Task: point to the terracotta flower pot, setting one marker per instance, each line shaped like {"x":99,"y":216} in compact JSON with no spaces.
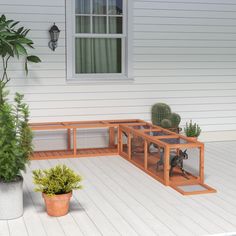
{"x":193,"y":138}
{"x":57,"y":205}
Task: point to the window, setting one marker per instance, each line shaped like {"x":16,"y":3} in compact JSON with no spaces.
{"x":97,"y":38}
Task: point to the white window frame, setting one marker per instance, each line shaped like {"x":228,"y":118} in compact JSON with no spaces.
{"x":127,"y":48}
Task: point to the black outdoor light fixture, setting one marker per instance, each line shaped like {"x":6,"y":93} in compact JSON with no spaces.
{"x":54,"y":35}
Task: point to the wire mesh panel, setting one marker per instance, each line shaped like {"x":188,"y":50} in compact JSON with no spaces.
{"x":137,"y":149}
{"x":124,"y":143}
{"x":184,"y":166}
{"x":174,"y":140}
{"x":157,"y":133}
{"x":92,"y":138}
{"x":192,"y":188}
{"x":192,"y":164}
{"x":155,"y":160}
{"x":53,"y":140}
{"x":142,"y":127}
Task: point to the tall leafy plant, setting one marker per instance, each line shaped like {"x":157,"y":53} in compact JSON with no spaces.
{"x":15,"y":133}
{"x":13,"y":43}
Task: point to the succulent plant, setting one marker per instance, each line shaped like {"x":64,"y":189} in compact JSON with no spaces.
{"x":166,"y":123}
{"x":160,"y":111}
{"x":162,"y":116}
{"x":175,"y":120}
{"x":192,"y":129}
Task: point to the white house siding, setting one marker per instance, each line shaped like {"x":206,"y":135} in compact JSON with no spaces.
{"x":184,"y":55}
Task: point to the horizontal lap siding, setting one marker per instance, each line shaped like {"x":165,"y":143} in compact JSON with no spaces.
{"x":186,"y":50}
{"x":184,"y":55}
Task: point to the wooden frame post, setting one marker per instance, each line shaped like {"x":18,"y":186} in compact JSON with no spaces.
{"x":201,"y":164}
{"x":129,"y":146}
{"x":167,"y":166}
{"x":68,"y":139}
{"x":119,"y":141}
{"x":74,"y":142}
{"x":145,"y":154}
{"x":111,"y":137}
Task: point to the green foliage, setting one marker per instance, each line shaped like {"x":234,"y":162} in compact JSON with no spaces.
{"x":160,"y":111}
{"x":57,"y":180}
{"x":14,"y":43}
{"x":15,"y":138}
{"x":175,"y":120}
{"x":162,"y":116}
{"x":192,"y":130}
{"x":15,"y":133}
{"x":166,"y":123}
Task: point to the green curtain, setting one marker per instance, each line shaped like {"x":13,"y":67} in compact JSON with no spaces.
{"x":98,"y":55}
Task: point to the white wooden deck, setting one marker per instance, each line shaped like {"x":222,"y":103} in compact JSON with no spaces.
{"x":119,"y":199}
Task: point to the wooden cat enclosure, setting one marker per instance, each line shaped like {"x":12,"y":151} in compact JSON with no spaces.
{"x":150,"y":148}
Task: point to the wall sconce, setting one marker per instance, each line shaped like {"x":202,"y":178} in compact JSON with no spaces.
{"x":54,"y":35}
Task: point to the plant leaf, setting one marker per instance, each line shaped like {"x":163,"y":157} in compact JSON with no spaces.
{"x":3,"y":18}
{"x":20,"y":30}
{"x":2,"y":26}
{"x":6,"y":34}
{"x":25,"y":32}
{"x":20,"y":49}
{"x":8,"y":48}
{"x":24,"y":40}
{"x":34,"y":59}
{"x":15,"y":23}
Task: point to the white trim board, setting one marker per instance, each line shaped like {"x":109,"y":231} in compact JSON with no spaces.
{"x":218,"y":136}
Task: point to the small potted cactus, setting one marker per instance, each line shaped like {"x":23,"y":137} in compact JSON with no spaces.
{"x":192,"y":130}
{"x":162,"y":116}
{"x":56,"y":185}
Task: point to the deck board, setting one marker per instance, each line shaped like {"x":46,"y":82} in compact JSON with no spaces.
{"x":120,"y":199}
{"x":4,"y":229}
{"x":114,"y":206}
{"x":17,"y":226}
{"x":50,"y":224}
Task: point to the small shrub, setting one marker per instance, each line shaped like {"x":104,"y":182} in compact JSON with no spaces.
{"x":57,"y":180}
{"x":192,"y":130}
{"x":15,"y":139}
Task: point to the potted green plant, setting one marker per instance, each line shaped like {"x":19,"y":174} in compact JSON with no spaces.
{"x":15,"y":134}
{"x":56,"y":185}
{"x":192,"y":130}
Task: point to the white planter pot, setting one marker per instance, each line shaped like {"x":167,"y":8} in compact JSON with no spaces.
{"x":11,"y":200}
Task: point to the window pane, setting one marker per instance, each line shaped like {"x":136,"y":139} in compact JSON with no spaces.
{"x":82,"y":7}
{"x":115,"y":25}
{"x":97,"y":55}
{"x":100,"y":7}
{"x":82,"y":24}
{"x":115,"y":7}
{"x":99,"y":24}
